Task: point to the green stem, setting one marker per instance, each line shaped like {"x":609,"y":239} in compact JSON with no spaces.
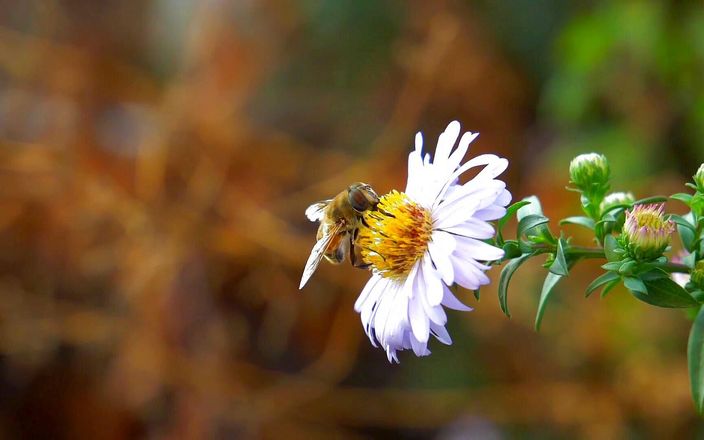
{"x":588,"y":252}
{"x":585,"y":252}
{"x":576,"y":251}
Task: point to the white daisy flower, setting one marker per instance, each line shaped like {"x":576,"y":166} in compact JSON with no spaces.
{"x":421,"y":241}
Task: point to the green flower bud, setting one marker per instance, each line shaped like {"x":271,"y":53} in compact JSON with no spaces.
{"x":646,"y":233}
{"x":698,"y":274}
{"x":616,"y":199}
{"x":699,"y":178}
{"x":590,"y":173}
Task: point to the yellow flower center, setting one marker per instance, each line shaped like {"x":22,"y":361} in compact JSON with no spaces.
{"x":395,"y":235}
{"x":650,"y":220}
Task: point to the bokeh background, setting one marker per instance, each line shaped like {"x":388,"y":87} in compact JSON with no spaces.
{"x":156,"y":157}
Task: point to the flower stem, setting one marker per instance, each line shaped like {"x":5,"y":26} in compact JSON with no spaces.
{"x":585,"y":252}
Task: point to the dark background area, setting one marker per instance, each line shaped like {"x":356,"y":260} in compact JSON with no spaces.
{"x":156,"y":158}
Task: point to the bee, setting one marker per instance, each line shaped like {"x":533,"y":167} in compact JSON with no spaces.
{"x":340,"y":218}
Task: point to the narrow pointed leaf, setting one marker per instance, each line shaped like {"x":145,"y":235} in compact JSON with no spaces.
{"x":605,"y":291}
{"x":682,"y":197}
{"x":578,"y":220}
{"x":663,"y":292}
{"x":681,"y":221}
{"x":510,"y":211}
{"x":610,"y":247}
{"x":695,"y":360}
{"x":635,"y":285}
{"x":505,"y":278}
{"x":687,"y":237}
{"x":600,"y":281}
{"x":559,"y":266}
{"x":549,"y":284}
{"x":530,"y":222}
{"x":533,"y":207}
{"x":654,"y":199}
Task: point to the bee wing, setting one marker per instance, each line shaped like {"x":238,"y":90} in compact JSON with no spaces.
{"x":317,"y":254}
{"x":315,"y":211}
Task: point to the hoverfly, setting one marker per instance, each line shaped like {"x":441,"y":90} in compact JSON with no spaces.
{"x":339,"y":218}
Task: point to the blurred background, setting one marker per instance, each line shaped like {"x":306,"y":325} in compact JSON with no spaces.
{"x":156,"y":157}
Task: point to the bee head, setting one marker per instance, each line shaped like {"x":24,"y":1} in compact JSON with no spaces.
{"x":362,"y":197}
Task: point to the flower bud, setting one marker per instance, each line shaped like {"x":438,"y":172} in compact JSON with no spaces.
{"x":646,"y":233}
{"x":616,"y":199}
{"x":698,"y":274}
{"x":699,"y":178}
{"x":590,"y":173}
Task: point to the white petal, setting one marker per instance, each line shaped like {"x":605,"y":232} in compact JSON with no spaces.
{"x":419,"y":320}
{"x":490,"y":213}
{"x":441,"y":247}
{"x":468,"y":198}
{"x":433,"y":284}
{"x":440,"y":332}
{"x":504,"y":198}
{"x":411,"y":280}
{"x":382,"y":316}
{"x":450,"y":301}
{"x":445,"y":142}
{"x":494,"y":166}
{"x":461,"y":150}
{"x":419,"y":348}
{"x":472,"y":228}
{"x":419,"y":142}
{"x":471,"y":248}
{"x":467,"y":274}
{"x":368,"y":288}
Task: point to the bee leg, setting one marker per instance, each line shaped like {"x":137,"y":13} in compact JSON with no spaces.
{"x":356,"y":254}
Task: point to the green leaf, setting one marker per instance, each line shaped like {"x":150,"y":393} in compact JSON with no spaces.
{"x":647,"y":200}
{"x":635,"y":285}
{"x":695,"y":361}
{"x":476,"y":293}
{"x":511,"y":250}
{"x":628,"y":267}
{"x":687,"y":237}
{"x":698,"y":295}
{"x":550,"y":281}
{"x":533,"y":207}
{"x":610,"y":248}
{"x":612,"y":266}
{"x":510,"y":211}
{"x":505,"y":278}
{"x":527,"y":223}
{"x":681,"y":221}
{"x":682,"y":197}
{"x":600,"y":281}
{"x":578,"y":220}
{"x":559,"y":266}
{"x":663,"y":292}
{"x":605,"y":291}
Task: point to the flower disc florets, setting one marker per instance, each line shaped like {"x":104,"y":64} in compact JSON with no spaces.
{"x":395,"y":235}
{"x":590,"y":173}
{"x":646,"y":233}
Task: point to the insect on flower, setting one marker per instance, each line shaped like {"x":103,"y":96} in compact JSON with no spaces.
{"x":420,"y":242}
{"x":340,"y":218}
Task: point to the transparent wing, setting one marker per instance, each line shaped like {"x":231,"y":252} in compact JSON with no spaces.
{"x":317,"y":254}
{"x":315,"y":211}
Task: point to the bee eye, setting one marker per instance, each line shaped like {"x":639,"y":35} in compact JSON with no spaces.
{"x":358,"y":200}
